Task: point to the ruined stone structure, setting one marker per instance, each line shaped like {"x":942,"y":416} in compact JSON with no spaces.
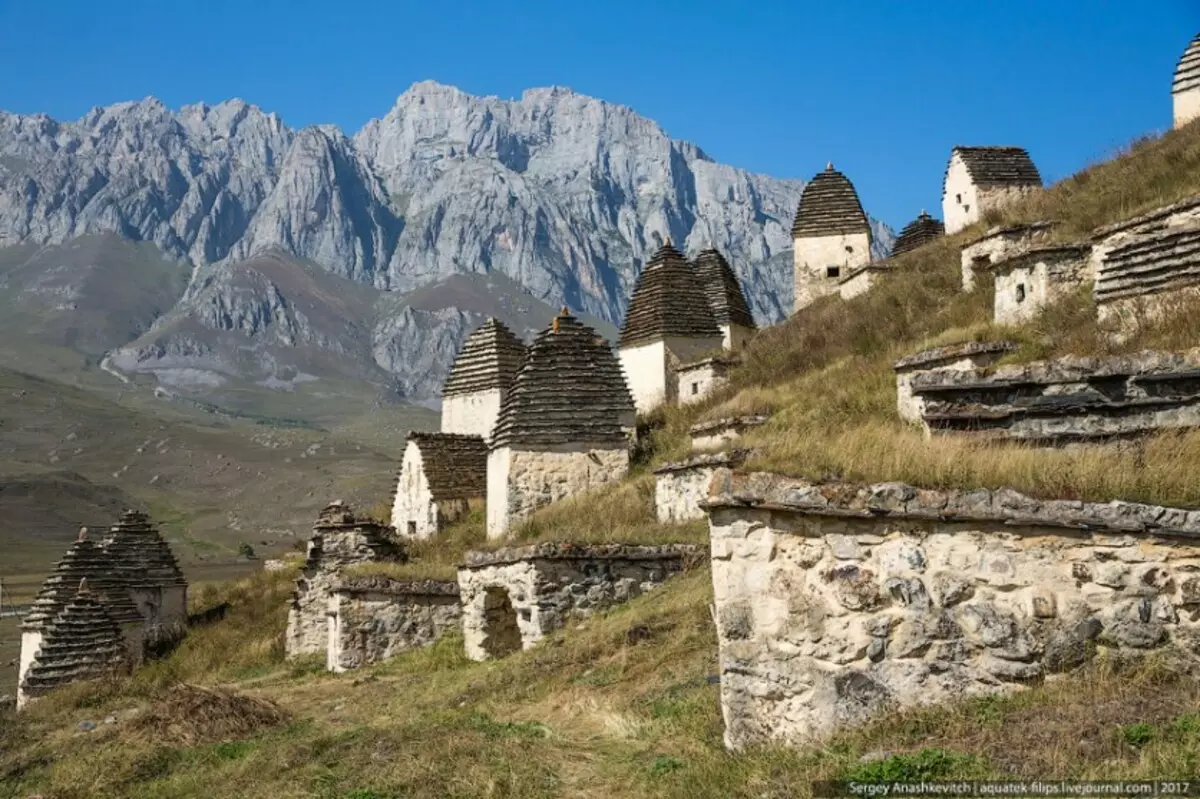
{"x":442,"y":477}
{"x":725,"y":298}
{"x":681,"y":488}
{"x":956,"y":357}
{"x":836,"y":603}
{"x":1066,"y":400}
{"x":668,"y":322}
{"x":696,"y":380}
{"x":81,"y":642}
{"x":143,"y":562}
{"x":1000,"y":244}
{"x":1036,"y":277}
{"x":918,"y":233}
{"x":340,"y":539}
{"x":1185,"y":89}
{"x":720,"y":433}
{"x":1143,"y":264}
{"x":983,"y":179}
{"x":479,"y":379}
{"x":830,"y":234}
{"x":373,"y":618}
{"x":513,"y":597}
{"x":85,"y":560}
{"x":563,"y":427}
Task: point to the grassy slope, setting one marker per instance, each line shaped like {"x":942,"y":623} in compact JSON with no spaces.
{"x":592,"y":713}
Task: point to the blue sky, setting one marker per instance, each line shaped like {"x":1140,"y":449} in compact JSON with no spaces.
{"x":883,"y":89}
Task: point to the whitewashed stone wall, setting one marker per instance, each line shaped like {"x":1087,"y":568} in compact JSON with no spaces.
{"x":513,"y":597}
{"x":999,"y":244}
{"x":734,"y":338}
{"x":521,"y":481}
{"x":964,"y":203}
{"x":472,"y":414}
{"x":719,"y":434}
{"x":955,"y":357}
{"x":814,"y":257}
{"x":699,"y":379}
{"x":860,"y":282}
{"x":1186,"y":106}
{"x":837,"y":603}
{"x":375,"y":618}
{"x":414,"y":513}
{"x":680,"y":488}
{"x":1027,"y":283}
{"x":649,"y":369}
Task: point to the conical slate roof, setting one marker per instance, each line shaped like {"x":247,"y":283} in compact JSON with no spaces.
{"x":723,"y":290}
{"x":829,"y":206}
{"x":84,"y":560}
{"x":81,"y":643}
{"x":921,"y":230}
{"x":667,"y":300}
{"x":1187,"y":72}
{"x":569,"y":390}
{"x":489,"y":358}
{"x":997,"y":166}
{"x":140,"y":556}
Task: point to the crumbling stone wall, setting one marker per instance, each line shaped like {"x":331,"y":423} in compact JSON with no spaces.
{"x":999,"y":244}
{"x":953,"y":357}
{"x":835,"y":603}
{"x":681,"y":488}
{"x":373,"y":618}
{"x":1035,"y":278}
{"x":521,"y":481}
{"x":695,"y":381}
{"x":513,"y":597}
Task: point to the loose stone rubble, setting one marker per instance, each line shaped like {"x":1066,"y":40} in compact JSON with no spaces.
{"x":1067,"y":400}
{"x":373,"y":618}
{"x":340,"y":539}
{"x":513,"y":597}
{"x":837,"y":602}
{"x":82,"y":642}
{"x":680,"y":488}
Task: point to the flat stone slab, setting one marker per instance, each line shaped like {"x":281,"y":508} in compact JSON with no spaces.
{"x":382,"y":584}
{"x":700,"y":428}
{"x":733,"y":458}
{"x":1005,"y":230}
{"x":566,"y":550}
{"x":951,"y":352}
{"x":1147,"y":218}
{"x":898,"y":500}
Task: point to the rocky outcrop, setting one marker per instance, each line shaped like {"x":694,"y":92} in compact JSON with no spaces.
{"x":1067,"y":400}
{"x":837,"y":602}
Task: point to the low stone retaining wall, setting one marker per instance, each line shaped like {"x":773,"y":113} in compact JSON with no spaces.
{"x":373,"y":618}
{"x":513,"y":597}
{"x":1066,"y":400}
{"x":679,"y":488}
{"x":835,"y":602}
{"x":720,"y":433}
{"x":956,"y":357}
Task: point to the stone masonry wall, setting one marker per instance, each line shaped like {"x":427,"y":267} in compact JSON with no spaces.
{"x":472,"y":414}
{"x":953,"y":357}
{"x":521,"y":481}
{"x":513,"y":597}
{"x":695,"y":381}
{"x":836,"y":603}
{"x":1028,"y":282}
{"x":680,"y":488}
{"x":374,"y":618}
{"x":998,"y":244}
{"x":813,"y":256}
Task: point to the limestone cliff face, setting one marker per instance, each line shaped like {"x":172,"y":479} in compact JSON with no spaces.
{"x":563,"y":196}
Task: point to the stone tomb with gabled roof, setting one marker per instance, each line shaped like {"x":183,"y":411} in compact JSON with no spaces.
{"x":1185,"y":88}
{"x":478,"y":380}
{"x":442,"y":477}
{"x":730,"y":310}
{"x":563,"y":428}
{"x":669,"y":321}
{"x":81,"y":642}
{"x":983,"y":179}
{"x":85,"y":560}
{"x":830,"y":235}
{"x":340,"y":539}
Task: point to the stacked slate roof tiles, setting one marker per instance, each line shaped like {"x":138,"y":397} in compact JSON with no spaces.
{"x":140,"y":557}
{"x":918,"y":232}
{"x":829,"y":206}
{"x":455,"y":465}
{"x":998,"y":166}
{"x":82,"y":642}
{"x":723,"y":290}
{"x":489,"y":359}
{"x":570,"y":390}
{"x":667,"y":300}
{"x":84,"y":560}
{"x":1187,"y":72}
